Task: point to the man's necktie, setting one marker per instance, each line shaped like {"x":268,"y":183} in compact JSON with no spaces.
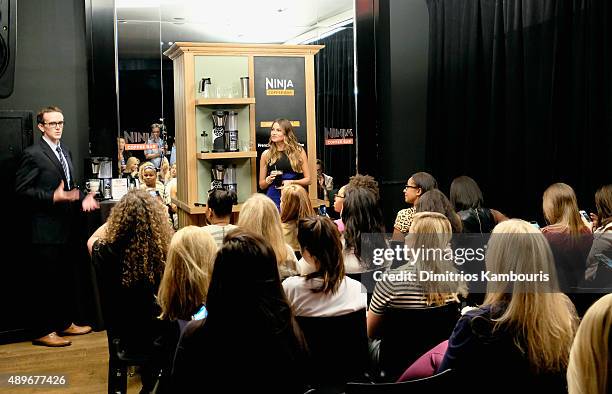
{"x":64,"y":165}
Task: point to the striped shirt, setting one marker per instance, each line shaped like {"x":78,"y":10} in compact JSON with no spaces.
{"x":401,"y":294}
{"x":219,"y":232}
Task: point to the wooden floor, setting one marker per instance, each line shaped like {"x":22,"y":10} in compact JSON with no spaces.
{"x":84,"y":363}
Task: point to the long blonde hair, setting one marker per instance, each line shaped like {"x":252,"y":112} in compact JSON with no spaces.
{"x":293,"y":150}
{"x":260,"y":215}
{"x":432,"y":231}
{"x":561,"y":207}
{"x":589,"y":362}
{"x":189,"y":265}
{"x":544,"y":320}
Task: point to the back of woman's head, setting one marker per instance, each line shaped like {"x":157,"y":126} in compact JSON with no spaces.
{"x":319,"y":236}
{"x":245,"y":277}
{"x":543,"y":320}
{"x":221,"y":202}
{"x":425,"y":181}
{"x":295,"y":203}
{"x":560,"y":207}
{"x":465,"y":193}
{"x":430,"y":230}
{"x":366,"y":182}
{"x":187,"y":274}
{"x":435,"y":201}
{"x":432,"y":233}
{"x":260,"y":216}
{"x":590,"y":358}
{"x":361,"y":214}
{"x":139,"y":229}
{"x":603,"y":203}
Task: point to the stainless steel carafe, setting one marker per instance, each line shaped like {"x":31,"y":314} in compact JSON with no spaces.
{"x":231,"y":132}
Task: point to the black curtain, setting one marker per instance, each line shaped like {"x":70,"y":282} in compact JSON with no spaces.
{"x":335,"y":103}
{"x":519,"y":97}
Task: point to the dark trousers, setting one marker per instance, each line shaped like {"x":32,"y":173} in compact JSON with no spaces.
{"x":52,"y":303}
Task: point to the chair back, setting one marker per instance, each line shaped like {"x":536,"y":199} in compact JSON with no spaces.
{"x":409,"y":333}
{"x":439,"y":383}
{"x":337,"y":345}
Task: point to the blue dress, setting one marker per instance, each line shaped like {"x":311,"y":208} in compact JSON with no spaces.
{"x":282,"y":164}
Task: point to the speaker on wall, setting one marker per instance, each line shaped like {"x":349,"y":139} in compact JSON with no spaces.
{"x":8,"y":45}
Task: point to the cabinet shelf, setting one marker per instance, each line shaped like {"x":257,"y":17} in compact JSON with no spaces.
{"x":227,"y":155}
{"x":226,"y":101}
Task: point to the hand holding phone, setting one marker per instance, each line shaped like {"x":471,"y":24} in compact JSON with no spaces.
{"x":585,"y":216}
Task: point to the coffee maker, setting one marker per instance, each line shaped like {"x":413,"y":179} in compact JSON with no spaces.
{"x":218,"y":175}
{"x":99,"y":173}
{"x":218,"y":132}
{"x":231,"y":131}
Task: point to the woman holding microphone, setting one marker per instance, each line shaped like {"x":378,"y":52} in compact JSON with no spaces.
{"x":284,"y":162}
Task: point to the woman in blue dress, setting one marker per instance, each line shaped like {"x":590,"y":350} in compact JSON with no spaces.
{"x":284,"y":162}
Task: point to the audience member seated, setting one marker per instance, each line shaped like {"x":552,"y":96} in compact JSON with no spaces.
{"x":338,"y":205}
{"x":569,"y":238}
{"x":467,"y":200}
{"x":418,"y":184}
{"x":365,"y":182}
{"x":131,"y":171}
{"x":323,"y":291}
{"x":164,"y":175}
{"x":129,"y":252}
{"x":260,"y":215}
{"x":183,"y":289}
{"x":189,"y":266}
{"x":148,"y":179}
{"x":435,"y":201}
{"x":361,"y":215}
{"x":429,"y":231}
{"x":219,"y":213}
{"x":520,"y":338}
{"x":294,"y":205}
{"x":590,"y":358}
{"x":249,"y":341}
{"x":599,"y":261}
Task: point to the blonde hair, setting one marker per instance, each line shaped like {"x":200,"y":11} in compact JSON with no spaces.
{"x":260,"y":215}
{"x":544,"y":319}
{"x":293,"y":149}
{"x":295,"y":203}
{"x":589,"y":362}
{"x":561,"y":207}
{"x":432,"y":231}
{"x":189,"y":266}
{"x":130,"y":162}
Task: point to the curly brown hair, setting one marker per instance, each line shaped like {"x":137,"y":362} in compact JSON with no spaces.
{"x":140,"y":232}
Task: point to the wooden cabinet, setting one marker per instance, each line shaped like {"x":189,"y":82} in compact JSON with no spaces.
{"x":225,"y":65}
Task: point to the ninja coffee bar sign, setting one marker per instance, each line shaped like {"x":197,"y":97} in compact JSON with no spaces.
{"x":280,"y":91}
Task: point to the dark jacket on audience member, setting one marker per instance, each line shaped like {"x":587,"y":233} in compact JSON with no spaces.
{"x":211,"y":358}
{"x":488,"y":360}
{"x":477,"y":220}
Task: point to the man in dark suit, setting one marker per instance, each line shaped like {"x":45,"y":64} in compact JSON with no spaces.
{"x":46,"y":182}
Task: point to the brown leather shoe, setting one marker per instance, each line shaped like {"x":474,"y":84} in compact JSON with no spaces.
{"x":51,"y":340}
{"x":76,"y":330}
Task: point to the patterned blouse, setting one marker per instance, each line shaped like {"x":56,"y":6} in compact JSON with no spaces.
{"x":403,"y":220}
